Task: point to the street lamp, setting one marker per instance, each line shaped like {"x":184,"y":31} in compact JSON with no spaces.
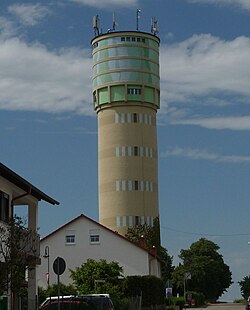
{"x":46,"y":255}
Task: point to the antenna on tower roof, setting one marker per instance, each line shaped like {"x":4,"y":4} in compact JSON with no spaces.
{"x":137,"y":18}
{"x":154,"y":26}
{"x":114,"y":24}
{"x":96,"y":25}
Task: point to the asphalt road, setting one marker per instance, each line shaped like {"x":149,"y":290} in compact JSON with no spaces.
{"x":224,"y":306}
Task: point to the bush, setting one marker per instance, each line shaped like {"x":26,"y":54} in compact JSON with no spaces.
{"x":150,"y":287}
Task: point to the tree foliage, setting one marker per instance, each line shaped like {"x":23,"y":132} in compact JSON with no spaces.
{"x":209,"y":274}
{"x":97,"y":277}
{"x":18,"y":252}
{"x":151,"y":238}
{"x":245,"y":287}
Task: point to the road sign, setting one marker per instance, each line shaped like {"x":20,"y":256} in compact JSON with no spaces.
{"x":59,"y":266}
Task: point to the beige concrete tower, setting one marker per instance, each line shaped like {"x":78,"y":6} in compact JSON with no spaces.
{"x":126,"y":96}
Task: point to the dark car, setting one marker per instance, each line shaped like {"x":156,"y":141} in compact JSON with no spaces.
{"x":80,"y":302}
{"x":248,"y":304}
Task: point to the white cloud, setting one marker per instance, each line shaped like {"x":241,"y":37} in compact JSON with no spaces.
{"x":203,"y":65}
{"x":35,"y":79}
{"x":29,"y":14}
{"x":231,"y":123}
{"x":107,"y":3}
{"x":245,"y":4}
{"x":198,"y":154}
{"x":7,"y":28}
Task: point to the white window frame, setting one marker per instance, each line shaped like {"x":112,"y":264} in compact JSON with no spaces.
{"x":94,"y":236}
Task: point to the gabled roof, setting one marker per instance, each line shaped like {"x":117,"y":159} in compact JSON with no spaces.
{"x":82,"y":216}
{"x":20,"y":182}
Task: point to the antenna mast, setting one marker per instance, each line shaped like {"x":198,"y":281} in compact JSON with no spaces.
{"x":137,"y":18}
{"x":96,"y":25}
{"x":154,"y":26}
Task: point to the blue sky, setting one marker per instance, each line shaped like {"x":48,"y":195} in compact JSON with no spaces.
{"x":48,"y":128}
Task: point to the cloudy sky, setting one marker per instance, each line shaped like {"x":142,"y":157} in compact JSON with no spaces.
{"x":48,"y":128}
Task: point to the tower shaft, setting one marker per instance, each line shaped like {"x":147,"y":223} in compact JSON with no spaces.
{"x":126,"y":98}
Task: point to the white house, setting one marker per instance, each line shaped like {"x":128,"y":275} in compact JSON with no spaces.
{"x":83,"y":238}
{"x":14,"y":192}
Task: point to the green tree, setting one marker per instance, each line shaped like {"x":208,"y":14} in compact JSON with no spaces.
{"x":18,"y":252}
{"x":245,"y":287}
{"x":150,"y":236}
{"x":209,"y":274}
{"x":97,"y":277}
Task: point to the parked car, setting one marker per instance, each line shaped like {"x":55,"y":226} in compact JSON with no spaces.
{"x":80,"y":302}
{"x":248,"y":304}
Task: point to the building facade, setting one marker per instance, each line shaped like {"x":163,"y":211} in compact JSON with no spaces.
{"x":14,"y":192}
{"x":83,"y":238}
{"x":126,"y":95}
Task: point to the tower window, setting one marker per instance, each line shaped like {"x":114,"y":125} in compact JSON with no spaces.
{"x":138,"y":39}
{"x":136,"y":185}
{"x":117,"y":185}
{"x":124,"y":185}
{"x":141,"y":151}
{"x":129,"y":117}
{"x":129,"y":151}
{"x":137,"y":220}
{"x":130,"y":221}
{"x":123,"y":151}
{"x":122,"y":38}
{"x":127,"y":38}
{"x":135,"y":117}
{"x":124,"y":220}
{"x":133,"y":39}
{"x":142,"y":185}
{"x":118,"y":221}
{"x":116,"y":118}
{"x":130,"y":185}
{"x":117,"y":152}
{"x":134,"y":91}
{"x":135,"y":150}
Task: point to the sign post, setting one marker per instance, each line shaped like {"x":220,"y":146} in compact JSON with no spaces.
{"x":59,"y":267}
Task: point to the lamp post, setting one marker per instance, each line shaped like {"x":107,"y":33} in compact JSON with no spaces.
{"x":46,"y":255}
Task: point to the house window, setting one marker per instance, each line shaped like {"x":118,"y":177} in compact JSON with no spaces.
{"x":94,"y":236}
{"x":140,"y":118}
{"x":70,"y":237}
{"x":142,"y":185}
{"x":137,"y":220}
{"x":118,"y":221}
{"x":122,"y":118}
{"x":4,"y":207}
{"x":130,"y":221}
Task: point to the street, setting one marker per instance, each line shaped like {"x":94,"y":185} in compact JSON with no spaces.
{"x":225,"y":306}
